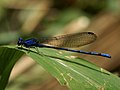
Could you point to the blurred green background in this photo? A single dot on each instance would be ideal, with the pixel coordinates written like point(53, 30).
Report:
point(46, 18)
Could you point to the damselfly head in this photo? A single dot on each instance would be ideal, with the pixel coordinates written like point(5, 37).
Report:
point(20, 42)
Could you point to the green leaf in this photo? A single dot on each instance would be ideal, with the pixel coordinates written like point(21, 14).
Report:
point(8, 57)
point(75, 73)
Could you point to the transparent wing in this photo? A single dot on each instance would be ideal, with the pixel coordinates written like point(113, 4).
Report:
point(70, 40)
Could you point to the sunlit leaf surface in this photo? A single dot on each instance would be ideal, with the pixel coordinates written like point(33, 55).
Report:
point(77, 74)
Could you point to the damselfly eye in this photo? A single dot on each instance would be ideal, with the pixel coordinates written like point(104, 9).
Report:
point(20, 40)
